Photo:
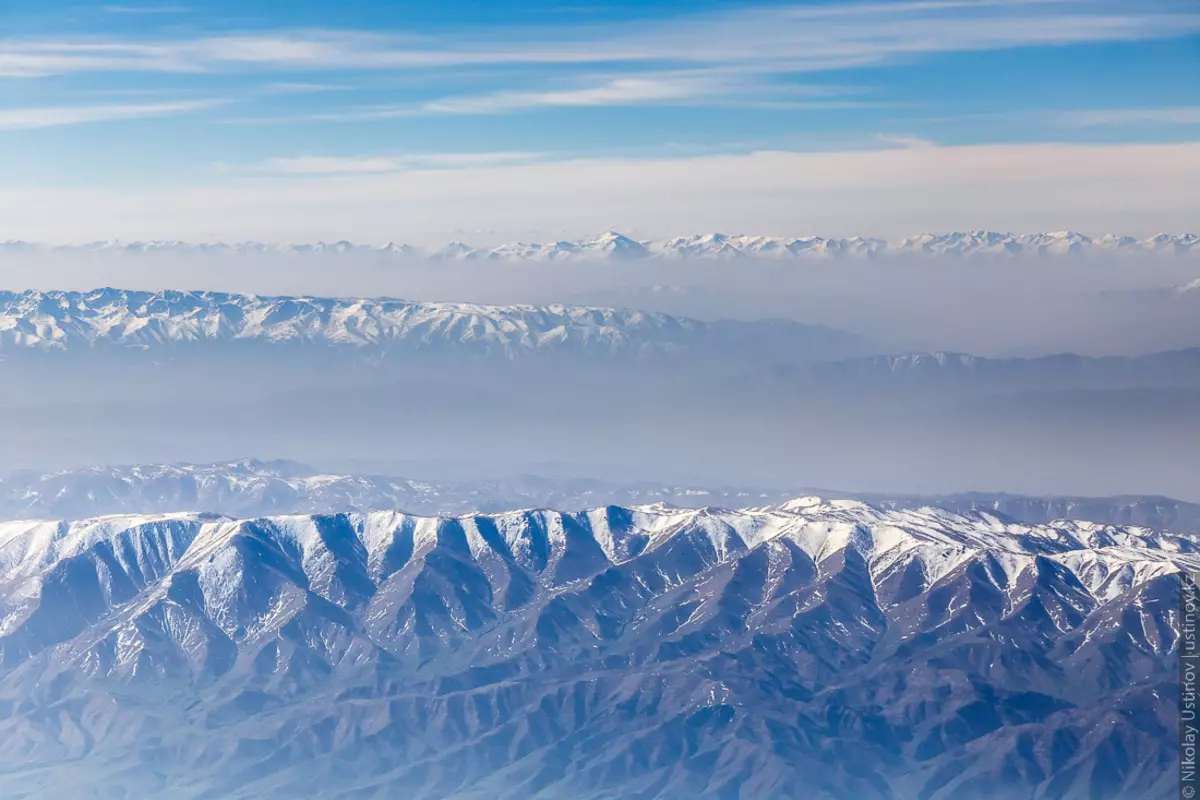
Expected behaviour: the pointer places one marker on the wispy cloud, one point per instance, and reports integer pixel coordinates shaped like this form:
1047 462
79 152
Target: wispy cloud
905 140
373 165
740 88
1131 116
297 87
15 119
633 90
133 9
746 91
792 38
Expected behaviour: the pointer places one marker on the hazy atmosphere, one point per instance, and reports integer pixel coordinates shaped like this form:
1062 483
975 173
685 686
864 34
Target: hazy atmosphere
1021 422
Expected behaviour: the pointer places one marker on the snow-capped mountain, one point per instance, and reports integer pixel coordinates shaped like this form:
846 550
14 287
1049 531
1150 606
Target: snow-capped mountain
713 246
61 320
608 246
609 653
252 488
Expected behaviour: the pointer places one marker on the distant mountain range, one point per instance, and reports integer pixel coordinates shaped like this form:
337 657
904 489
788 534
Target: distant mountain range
943 370
251 488
615 246
134 321
65 321
813 649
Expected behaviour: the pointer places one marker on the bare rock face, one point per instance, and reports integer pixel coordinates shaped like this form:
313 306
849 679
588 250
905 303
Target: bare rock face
807 650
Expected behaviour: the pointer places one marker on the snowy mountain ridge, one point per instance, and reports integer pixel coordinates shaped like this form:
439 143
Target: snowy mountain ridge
712 246
583 654
138 559
62 320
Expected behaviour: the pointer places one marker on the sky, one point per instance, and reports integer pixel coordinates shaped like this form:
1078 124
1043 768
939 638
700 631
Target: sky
485 121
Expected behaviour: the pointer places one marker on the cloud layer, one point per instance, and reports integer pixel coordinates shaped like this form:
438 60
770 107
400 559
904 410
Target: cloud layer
1138 189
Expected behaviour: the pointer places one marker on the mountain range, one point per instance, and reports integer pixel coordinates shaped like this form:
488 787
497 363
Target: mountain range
616 246
138 320
941 371
251 488
133 321
815 649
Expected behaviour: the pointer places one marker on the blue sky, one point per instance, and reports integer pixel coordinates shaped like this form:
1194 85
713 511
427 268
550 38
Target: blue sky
171 100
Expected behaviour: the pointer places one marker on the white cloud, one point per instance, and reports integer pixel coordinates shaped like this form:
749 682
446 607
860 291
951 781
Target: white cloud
13 119
633 90
905 140
297 87
1136 189
368 165
130 9
333 165
741 88
1129 116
